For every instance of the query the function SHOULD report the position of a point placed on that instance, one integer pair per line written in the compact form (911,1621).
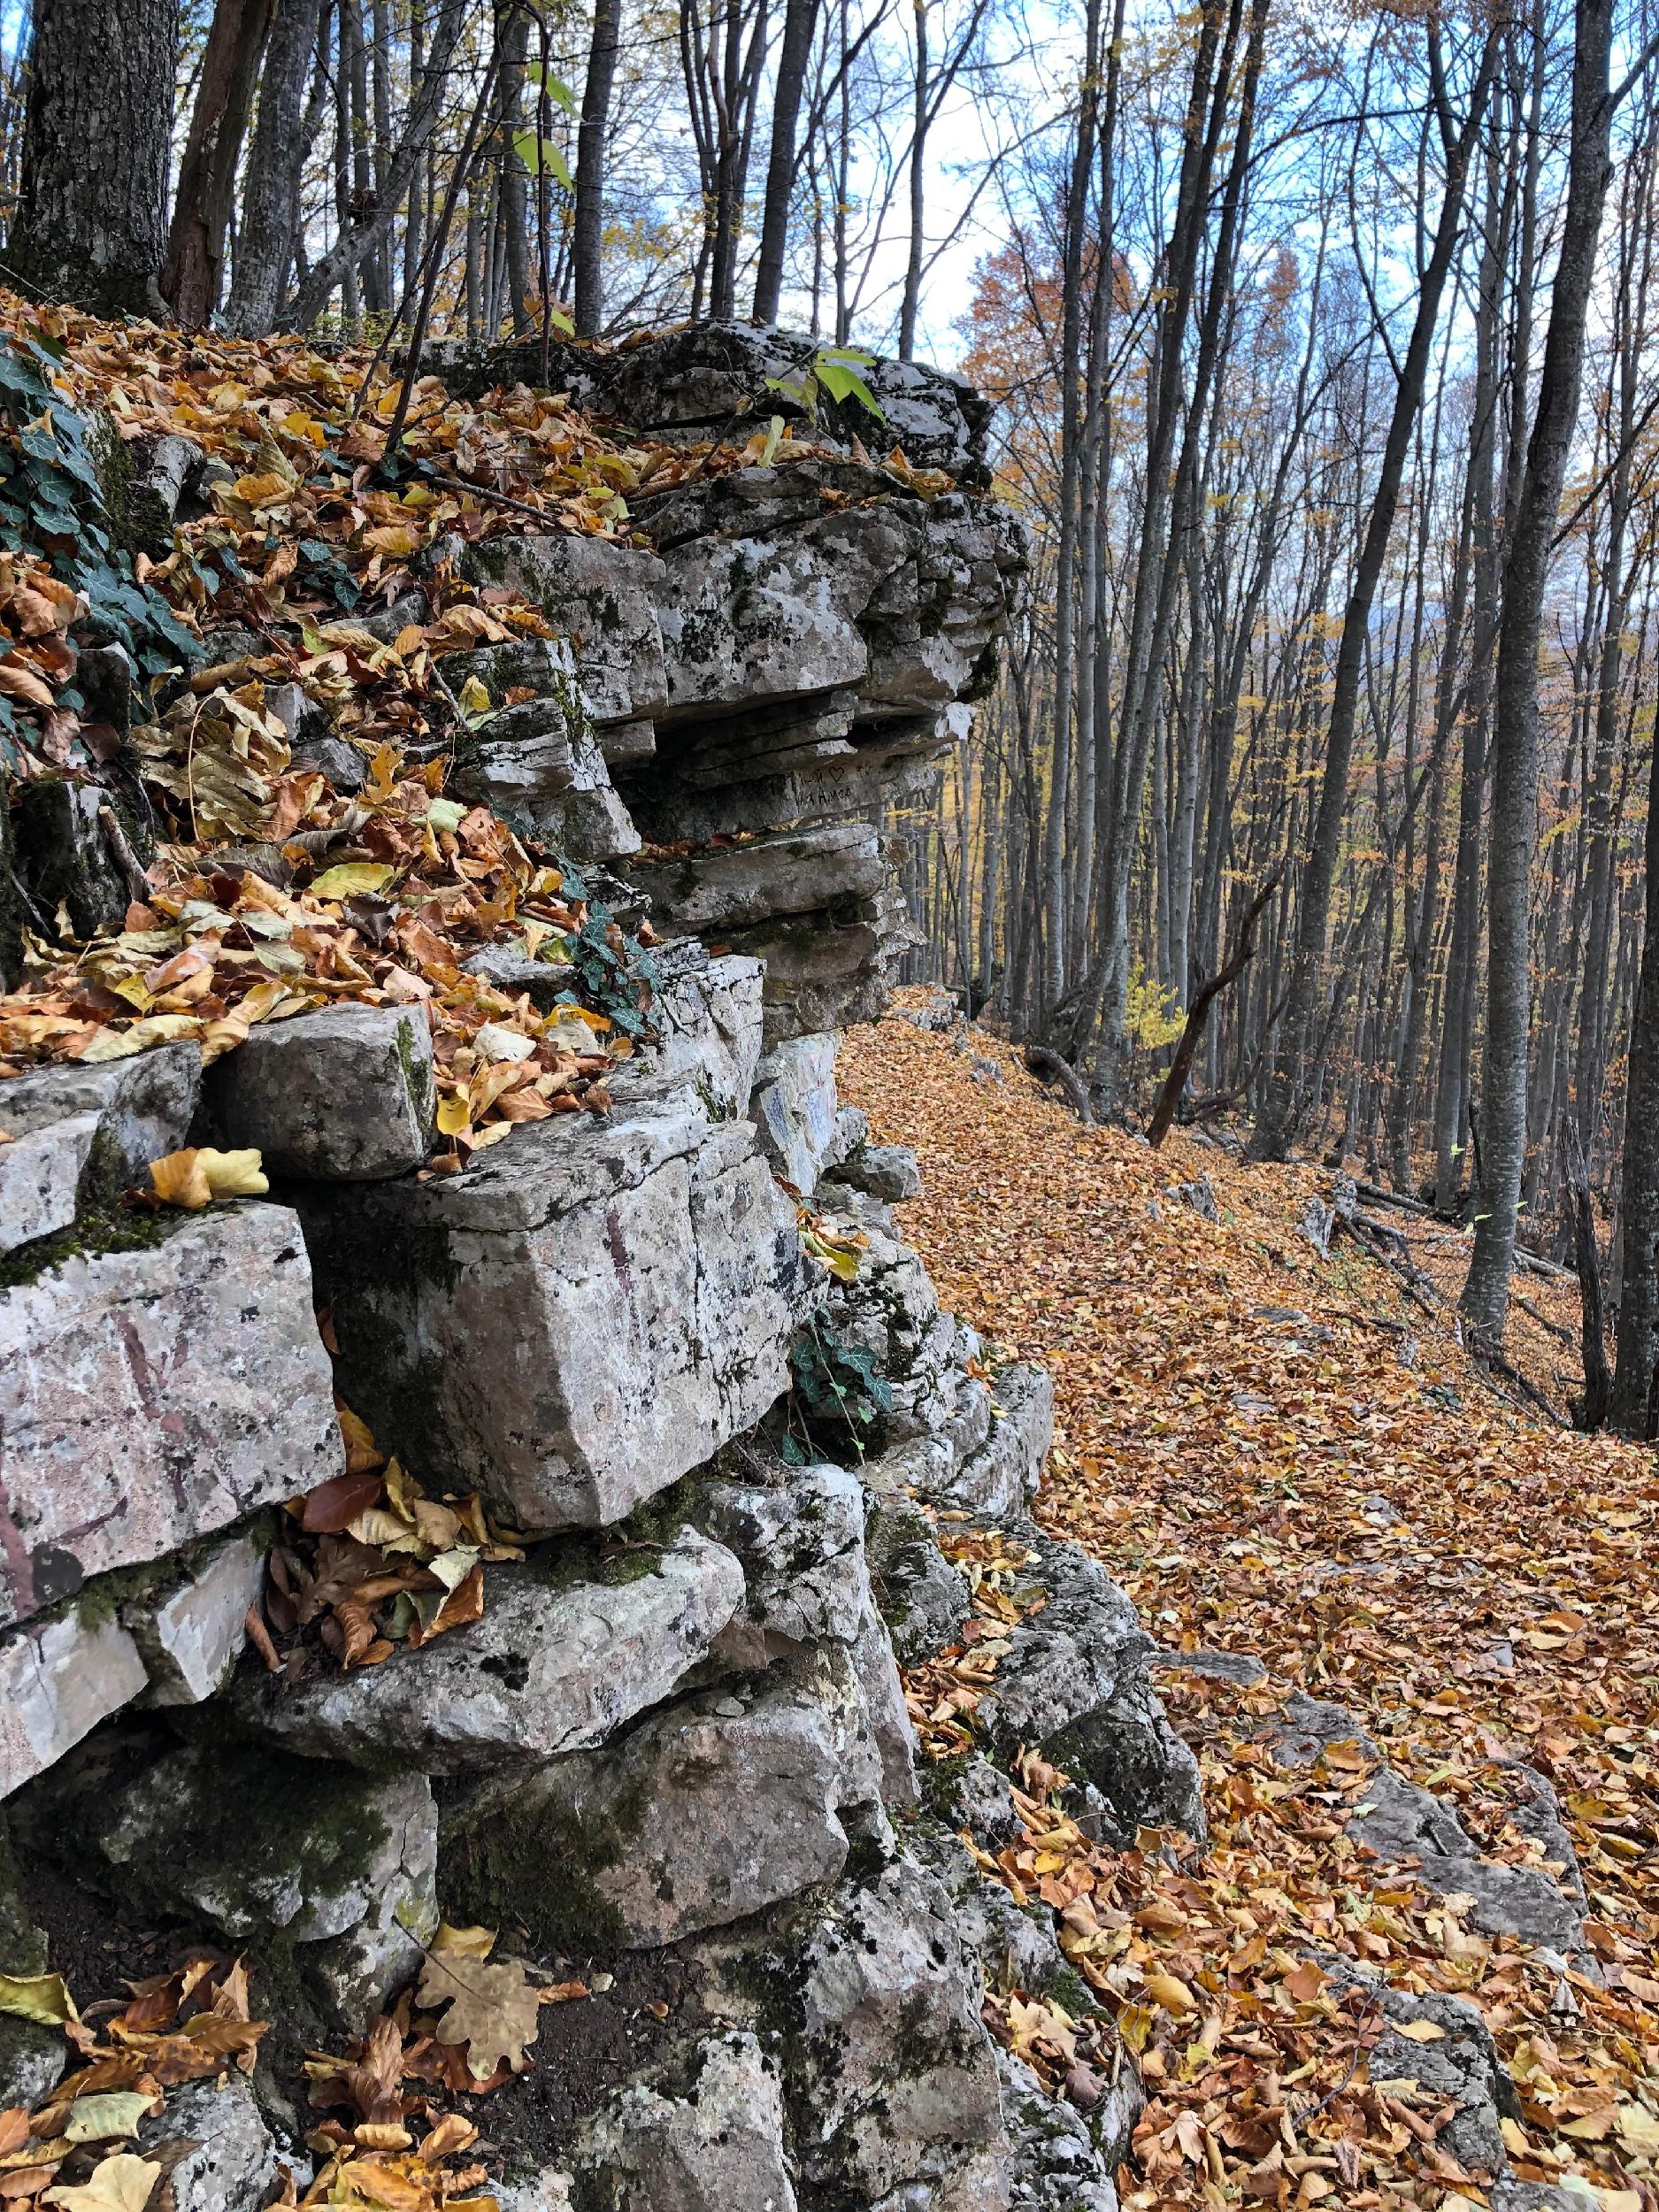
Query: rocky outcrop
(691,1474)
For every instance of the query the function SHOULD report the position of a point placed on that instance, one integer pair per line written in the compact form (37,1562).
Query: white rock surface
(793,1108)
(577,1321)
(191,1639)
(226,2158)
(57,1681)
(718,2149)
(40,1177)
(548,1670)
(150,1397)
(342,1095)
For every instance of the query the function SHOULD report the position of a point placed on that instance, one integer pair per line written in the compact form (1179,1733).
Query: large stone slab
(151,1396)
(891,2075)
(709,1019)
(718,2148)
(601,595)
(549,1669)
(58,1679)
(717,1806)
(728,886)
(190,1635)
(536,760)
(256,1842)
(40,1178)
(581,1319)
(342,1095)
(219,2154)
(793,1108)
(801,1541)
(141,1107)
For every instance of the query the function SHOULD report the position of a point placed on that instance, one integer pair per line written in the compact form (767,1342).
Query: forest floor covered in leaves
(1282,1455)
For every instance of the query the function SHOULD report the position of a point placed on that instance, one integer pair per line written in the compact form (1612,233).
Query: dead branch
(1198,1016)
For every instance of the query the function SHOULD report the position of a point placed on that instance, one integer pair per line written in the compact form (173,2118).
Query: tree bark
(91,223)
(588,227)
(348,249)
(1516,715)
(1277,1123)
(207,169)
(800,20)
(270,193)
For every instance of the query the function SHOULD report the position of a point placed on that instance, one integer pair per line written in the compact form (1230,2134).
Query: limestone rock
(890,2075)
(695,378)
(887,1171)
(718,2148)
(1402,1821)
(1016,1949)
(1004,1473)
(225,2159)
(601,595)
(801,1541)
(1460,2066)
(342,1095)
(516,975)
(143,1107)
(258,1843)
(793,1108)
(1075,1679)
(724,887)
(1056,2163)
(588,1314)
(537,762)
(713,1808)
(923,1599)
(709,1019)
(549,1669)
(40,1177)
(58,1679)
(190,1638)
(878,1674)
(151,1396)
(32,2057)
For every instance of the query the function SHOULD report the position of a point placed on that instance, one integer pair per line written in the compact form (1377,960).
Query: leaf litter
(1266,1470)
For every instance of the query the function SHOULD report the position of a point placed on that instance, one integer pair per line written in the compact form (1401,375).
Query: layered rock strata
(676,1742)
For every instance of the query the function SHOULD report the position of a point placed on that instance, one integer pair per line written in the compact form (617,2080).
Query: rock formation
(674,1751)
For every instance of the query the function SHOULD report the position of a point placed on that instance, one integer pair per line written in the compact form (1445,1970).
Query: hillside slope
(1282,1458)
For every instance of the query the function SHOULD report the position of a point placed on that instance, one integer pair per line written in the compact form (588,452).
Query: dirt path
(1269,1472)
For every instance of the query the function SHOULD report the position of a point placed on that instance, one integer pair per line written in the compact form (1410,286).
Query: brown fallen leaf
(491,2007)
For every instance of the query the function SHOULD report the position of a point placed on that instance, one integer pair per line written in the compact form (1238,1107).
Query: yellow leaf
(232,1174)
(454,1114)
(114,2112)
(1422,2031)
(472,698)
(1638,2130)
(352,878)
(180,1180)
(462,1943)
(121,2184)
(42,1997)
(1172,1994)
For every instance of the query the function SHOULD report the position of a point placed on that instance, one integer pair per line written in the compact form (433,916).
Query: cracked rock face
(715,1807)
(894,2079)
(718,2148)
(577,1321)
(217,2152)
(548,1670)
(343,1095)
(112,1347)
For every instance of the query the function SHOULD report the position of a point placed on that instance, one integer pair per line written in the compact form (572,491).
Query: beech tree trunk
(588,226)
(91,225)
(270,194)
(207,169)
(1516,717)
